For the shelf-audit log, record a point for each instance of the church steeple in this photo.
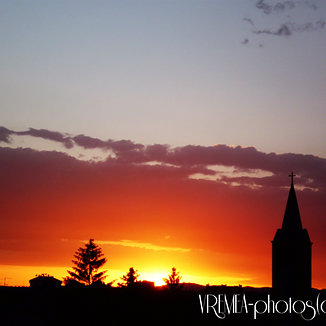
(292, 219)
(291, 252)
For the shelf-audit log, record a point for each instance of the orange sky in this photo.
(249, 73)
(152, 216)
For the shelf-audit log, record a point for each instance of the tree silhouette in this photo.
(130, 279)
(173, 280)
(88, 261)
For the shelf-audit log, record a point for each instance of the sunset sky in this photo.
(165, 130)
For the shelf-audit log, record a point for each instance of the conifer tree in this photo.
(130, 278)
(88, 260)
(173, 280)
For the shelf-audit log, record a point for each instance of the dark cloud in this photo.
(125, 145)
(193, 159)
(157, 152)
(89, 142)
(47, 134)
(267, 7)
(282, 6)
(249, 20)
(262, 5)
(249, 158)
(69, 141)
(284, 30)
(39, 133)
(289, 28)
(117, 146)
(309, 27)
(5, 134)
(21, 168)
(50, 195)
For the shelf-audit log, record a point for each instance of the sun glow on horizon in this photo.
(157, 278)
(14, 275)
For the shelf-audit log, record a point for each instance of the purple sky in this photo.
(248, 73)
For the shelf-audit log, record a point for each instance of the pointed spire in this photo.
(292, 175)
(292, 219)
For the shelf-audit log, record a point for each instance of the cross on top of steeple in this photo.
(292, 175)
(292, 220)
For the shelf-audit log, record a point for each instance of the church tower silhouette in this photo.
(291, 252)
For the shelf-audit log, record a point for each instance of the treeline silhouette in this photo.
(85, 299)
(89, 259)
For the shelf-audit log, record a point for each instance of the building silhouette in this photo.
(291, 252)
(44, 281)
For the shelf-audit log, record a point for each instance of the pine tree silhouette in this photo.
(88, 261)
(173, 281)
(130, 279)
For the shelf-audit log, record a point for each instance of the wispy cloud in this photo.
(47, 134)
(284, 30)
(268, 7)
(69, 141)
(289, 28)
(278, 13)
(249, 20)
(142, 245)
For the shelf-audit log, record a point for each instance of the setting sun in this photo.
(157, 278)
